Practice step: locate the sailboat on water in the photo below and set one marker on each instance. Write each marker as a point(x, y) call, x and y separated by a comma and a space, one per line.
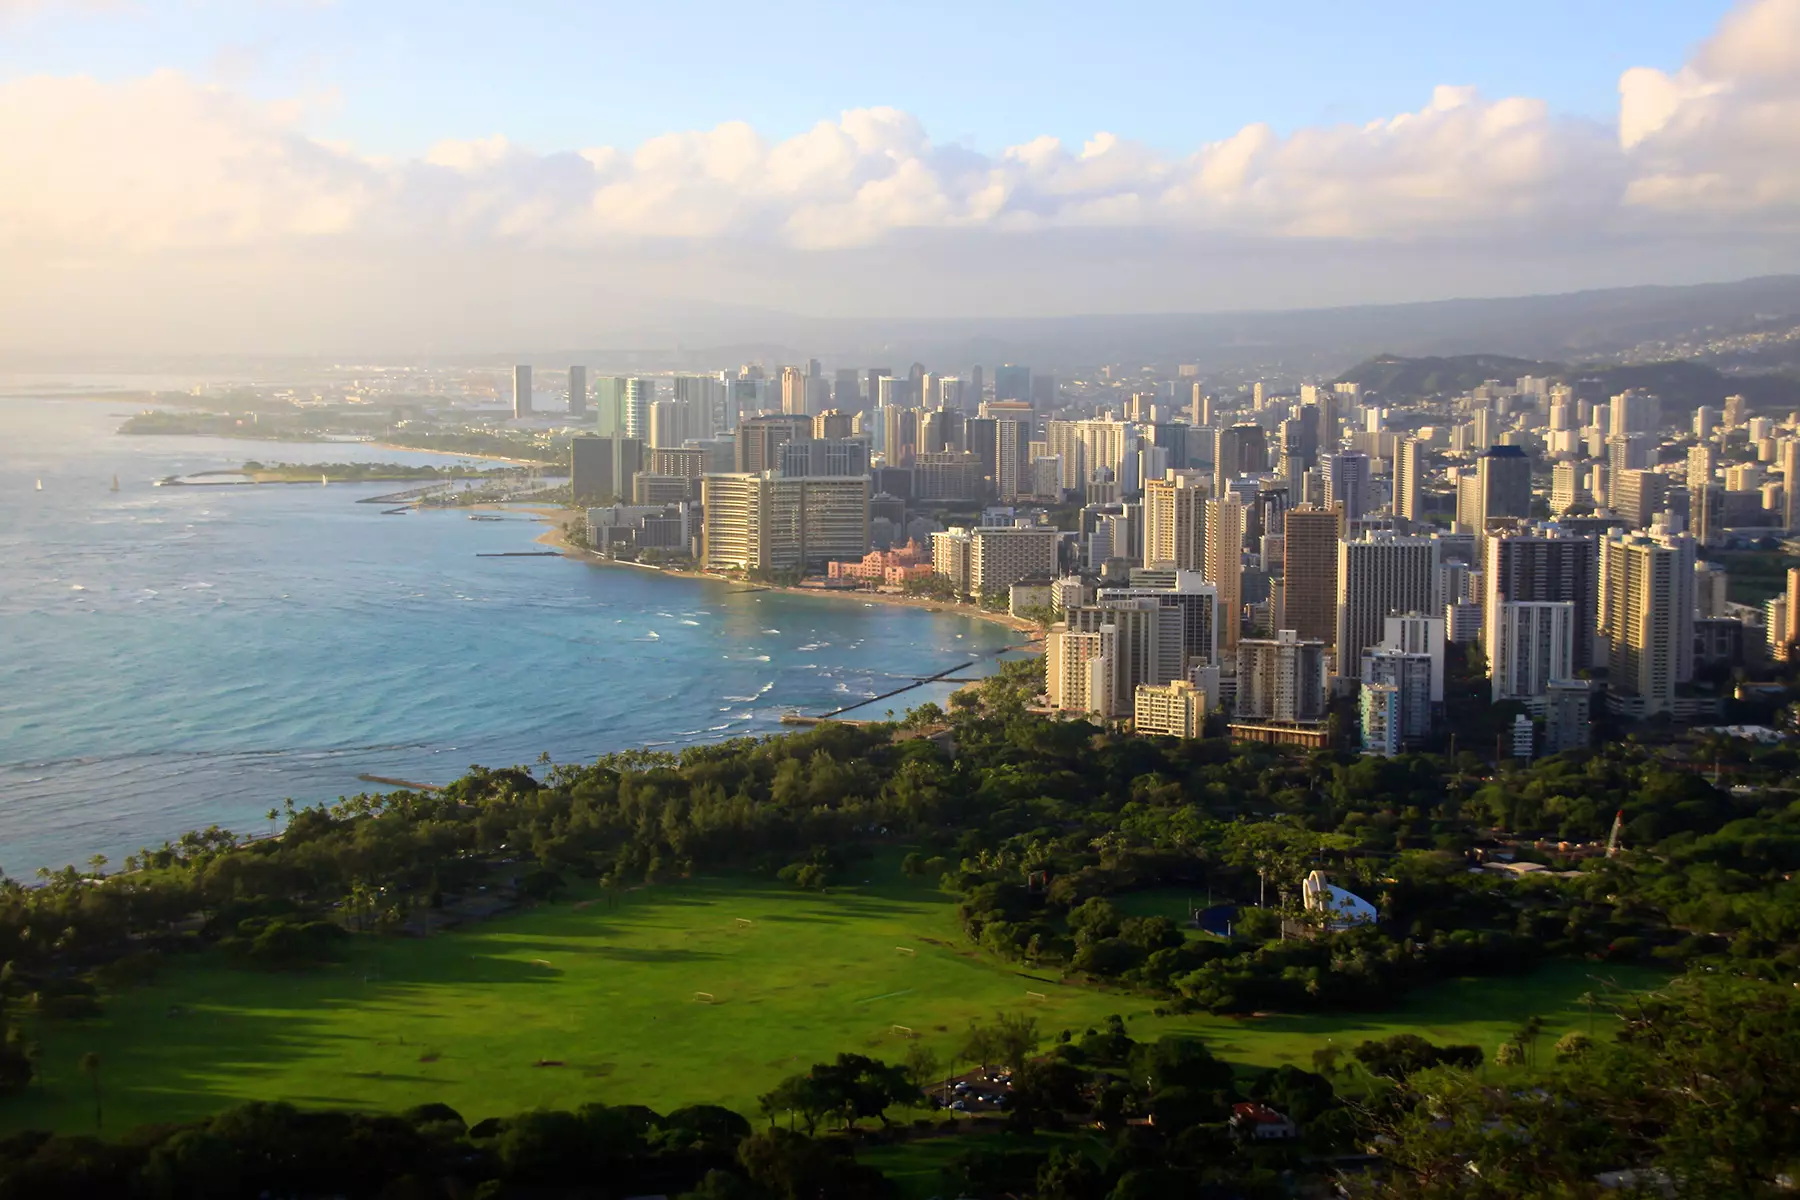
point(40, 485)
point(115, 483)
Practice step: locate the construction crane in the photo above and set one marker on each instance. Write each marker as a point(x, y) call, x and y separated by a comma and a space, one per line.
point(1612, 839)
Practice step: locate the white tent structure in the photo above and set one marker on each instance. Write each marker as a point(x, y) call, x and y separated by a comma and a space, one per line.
point(1343, 910)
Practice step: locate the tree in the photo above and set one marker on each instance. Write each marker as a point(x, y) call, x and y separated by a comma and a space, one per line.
point(1016, 1039)
point(1571, 1046)
point(1069, 1175)
point(90, 1066)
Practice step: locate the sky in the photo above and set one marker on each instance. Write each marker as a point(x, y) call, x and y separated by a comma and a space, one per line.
point(320, 175)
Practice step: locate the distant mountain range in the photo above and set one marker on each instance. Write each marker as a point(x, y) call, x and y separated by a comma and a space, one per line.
point(1682, 386)
point(1302, 343)
point(1285, 346)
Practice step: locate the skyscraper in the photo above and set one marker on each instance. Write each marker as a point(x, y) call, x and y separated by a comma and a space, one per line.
point(765, 522)
point(1639, 495)
point(1647, 617)
point(1347, 482)
point(1281, 678)
point(1309, 571)
point(1790, 484)
point(1543, 564)
point(1242, 450)
point(1224, 565)
point(1532, 644)
point(601, 468)
point(1379, 574)
point(521, 391)
point(1503, 478)
point(578, 392)
point(759, 441)
point(793, 391)
point(1175, 520)
point(1012, 383)
point(1409, 476)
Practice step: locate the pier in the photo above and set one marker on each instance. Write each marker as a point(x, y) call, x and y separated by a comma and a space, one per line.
point(410, 495)
point(943, 676)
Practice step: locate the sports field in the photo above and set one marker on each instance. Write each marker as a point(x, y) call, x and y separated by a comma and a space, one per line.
point(574, 1002)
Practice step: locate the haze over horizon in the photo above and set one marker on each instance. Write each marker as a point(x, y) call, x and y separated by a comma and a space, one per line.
point(318, 178)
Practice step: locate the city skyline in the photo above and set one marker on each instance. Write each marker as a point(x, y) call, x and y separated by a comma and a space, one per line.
point(203, 186)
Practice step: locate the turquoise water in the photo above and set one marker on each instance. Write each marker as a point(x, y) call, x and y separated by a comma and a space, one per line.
point(175, 657)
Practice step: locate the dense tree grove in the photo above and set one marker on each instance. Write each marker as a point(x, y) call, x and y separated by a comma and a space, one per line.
point(1043, 830)
point(1695, 1096)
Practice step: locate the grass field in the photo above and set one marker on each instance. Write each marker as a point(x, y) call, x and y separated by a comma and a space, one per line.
point(466, 1018)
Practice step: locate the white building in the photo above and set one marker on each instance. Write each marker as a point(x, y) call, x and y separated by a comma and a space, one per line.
point(1174, 709)
point(1533, 644)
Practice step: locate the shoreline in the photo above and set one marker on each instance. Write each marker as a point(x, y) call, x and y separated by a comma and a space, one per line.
point(554, 538)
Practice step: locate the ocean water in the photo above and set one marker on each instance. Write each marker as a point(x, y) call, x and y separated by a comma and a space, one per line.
point(176, 657)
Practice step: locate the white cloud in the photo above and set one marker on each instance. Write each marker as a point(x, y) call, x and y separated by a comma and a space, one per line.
point(166, 168)
point(1720, 138)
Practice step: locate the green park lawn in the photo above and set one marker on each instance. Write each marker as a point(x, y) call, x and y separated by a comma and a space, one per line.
point(476, 1018)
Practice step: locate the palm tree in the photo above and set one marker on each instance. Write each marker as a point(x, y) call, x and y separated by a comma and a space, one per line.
point(90, 1066)
point(273, 814)
point(97, 864)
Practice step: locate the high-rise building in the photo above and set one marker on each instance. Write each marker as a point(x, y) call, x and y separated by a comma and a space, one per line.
point(1087, 448)
point(1790, 484)
point(1379, 711)
point(1410, 677)
point(1419, 633)
point(1078, 668)
point(1012, 383)
point(1647, 617)
point(1565, 487)
point(1309, 568)
point(846, 391)
point(834, 423)
point(1173, 709)
point(1148, 642)
point(1634, 412)
point(624, 405)
point(1379, 574)
point(1624, 452)
point(1243, 450)
point(665, 424)
point(986, 561)
point(578, 392)
point(1638, 496)
point(1175, 520)
point(1409, 478)
point(1281, 679)
point(1532, 644)
point(1545, 564)
point(1700, 463)
point(793, 391)
point(1568, 715)
point(1196, 604)
point(899, 435)
point(760, 439)
point(804, 458)
point(1503, 478)
point(763, 521)
point(1223, 565)
point(521, 391)
point(601, 468)
point(1012, 449)
point(1347, 482)
point(947, 475)
point(872, 396)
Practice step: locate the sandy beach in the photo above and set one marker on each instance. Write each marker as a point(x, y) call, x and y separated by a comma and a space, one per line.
point(557, 540)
